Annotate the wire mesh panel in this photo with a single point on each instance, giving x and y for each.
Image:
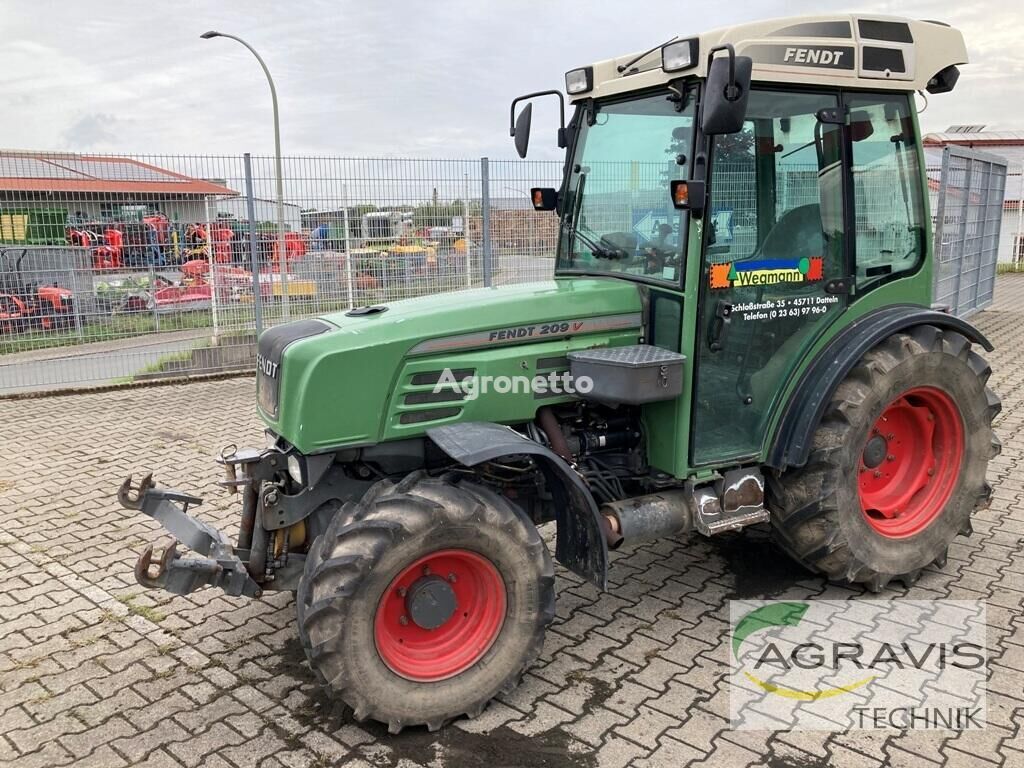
(522, 240)
(968, 216)
(119, 268)
(116, 268)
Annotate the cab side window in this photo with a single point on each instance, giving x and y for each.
(890, 224)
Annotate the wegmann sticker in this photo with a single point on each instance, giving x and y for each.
(766, 272)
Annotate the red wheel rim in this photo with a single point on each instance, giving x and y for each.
(910, 462)
(440, 615)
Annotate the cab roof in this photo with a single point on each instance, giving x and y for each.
(846, 50)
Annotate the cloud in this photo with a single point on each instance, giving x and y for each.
(403, 78)
(92, 130)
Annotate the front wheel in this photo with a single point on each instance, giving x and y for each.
(897, 465)
(424, 600)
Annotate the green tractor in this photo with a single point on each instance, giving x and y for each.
(739, 330)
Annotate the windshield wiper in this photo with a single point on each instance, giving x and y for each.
(623, 67)
(599, 251)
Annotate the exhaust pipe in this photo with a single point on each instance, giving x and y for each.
(648, 517)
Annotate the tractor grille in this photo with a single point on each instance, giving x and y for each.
(418, 403)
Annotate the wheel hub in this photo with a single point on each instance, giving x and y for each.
(910, 462)
(440, 615)
(430, 602)
(875, 451)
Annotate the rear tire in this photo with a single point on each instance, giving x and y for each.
(404, 662)
(897, 465)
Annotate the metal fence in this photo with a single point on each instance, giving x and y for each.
(123, 268)
(117, 268)
(968, 214)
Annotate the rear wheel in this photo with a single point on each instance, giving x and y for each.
(424, 600)
(897, 465)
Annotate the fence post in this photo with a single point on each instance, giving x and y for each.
(211, 259)
(465, 229)
(254, 257)
(348, 253)
(485, 213)
(152, 287)
(1017, 242)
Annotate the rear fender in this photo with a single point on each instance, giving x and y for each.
(806, 406)
(580, 543)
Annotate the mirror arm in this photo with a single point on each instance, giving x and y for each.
(562, 143)
(731, 91)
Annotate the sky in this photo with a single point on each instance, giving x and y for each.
(392, 79)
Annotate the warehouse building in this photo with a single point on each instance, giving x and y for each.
(41, 193)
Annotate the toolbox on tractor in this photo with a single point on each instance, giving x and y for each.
(631, 375)
(744, 270)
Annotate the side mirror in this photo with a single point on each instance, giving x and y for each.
(688, 196)
(519, 128)
(726, 92)
(521, 132)
(544, 198)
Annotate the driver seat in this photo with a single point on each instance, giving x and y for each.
(796, 235)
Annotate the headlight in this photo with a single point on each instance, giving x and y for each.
(295, 468)
(579, 80)
(682, 54)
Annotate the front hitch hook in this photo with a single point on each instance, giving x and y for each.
(132, 497)
(144, 576)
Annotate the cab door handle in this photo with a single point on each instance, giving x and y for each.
(719, 325)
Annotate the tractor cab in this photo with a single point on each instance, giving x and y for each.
(757, 183)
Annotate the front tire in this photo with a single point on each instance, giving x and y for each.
(424, 600)
(897, 465)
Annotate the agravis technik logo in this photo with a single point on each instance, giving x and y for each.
(836, 665)
(784, 615)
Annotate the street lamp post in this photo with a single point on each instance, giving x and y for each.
(282, 254)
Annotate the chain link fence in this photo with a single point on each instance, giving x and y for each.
(119, 268)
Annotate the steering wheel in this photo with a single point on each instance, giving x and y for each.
(656, 258)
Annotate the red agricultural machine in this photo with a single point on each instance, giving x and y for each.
(25, 305)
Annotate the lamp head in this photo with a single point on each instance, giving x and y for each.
(209, 35)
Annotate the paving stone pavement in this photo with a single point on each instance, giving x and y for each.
(95, 671)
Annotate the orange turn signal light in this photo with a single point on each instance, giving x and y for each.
(544, 198)
(681, 195)
(687, 195)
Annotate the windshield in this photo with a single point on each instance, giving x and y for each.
(618, 216)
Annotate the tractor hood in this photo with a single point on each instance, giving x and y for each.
(363, 377)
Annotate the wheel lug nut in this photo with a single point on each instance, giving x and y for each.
(890, 457)
(931, 471)
(890, 436)
(426, 570)
(403, 620)
(877, 473)
(452, 578)
(402, 591)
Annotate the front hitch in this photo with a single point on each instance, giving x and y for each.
(218, 565)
